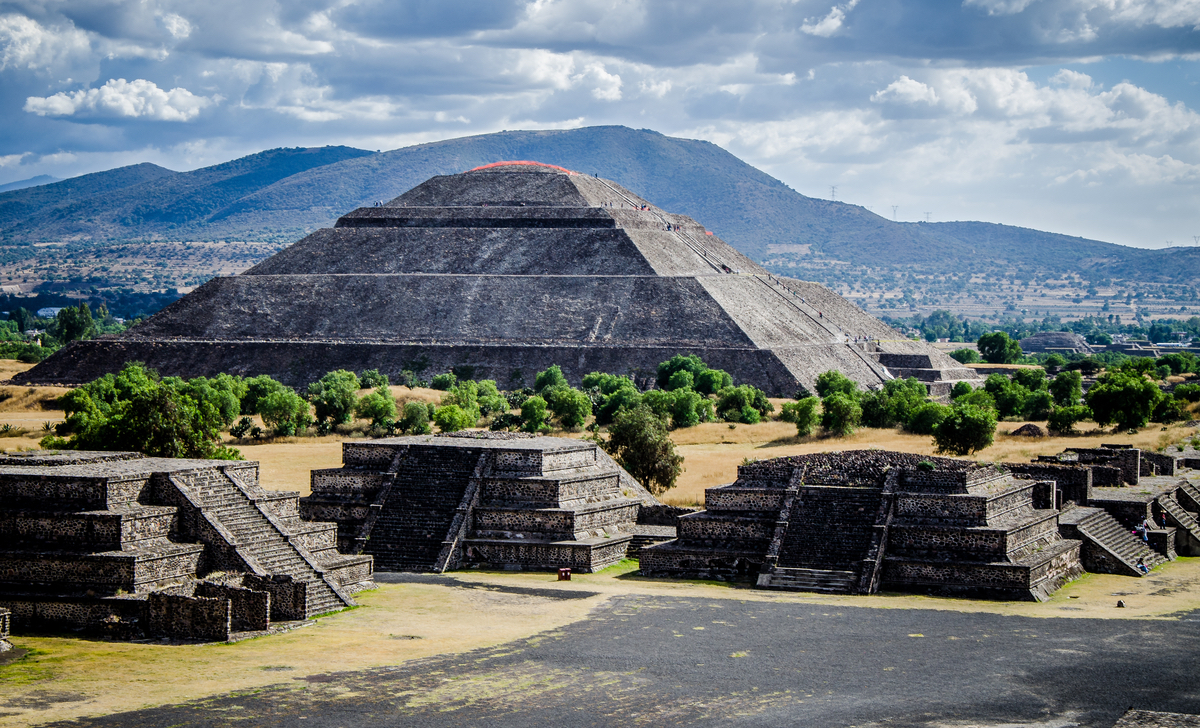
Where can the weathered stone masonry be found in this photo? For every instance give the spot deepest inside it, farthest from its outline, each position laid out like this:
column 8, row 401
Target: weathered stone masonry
column 126, row 546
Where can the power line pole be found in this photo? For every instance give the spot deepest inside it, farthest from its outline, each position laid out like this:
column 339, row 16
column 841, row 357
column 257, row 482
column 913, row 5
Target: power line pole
column 833, row 192
column 1196, row 238
column 894, row 208
column 927, row 216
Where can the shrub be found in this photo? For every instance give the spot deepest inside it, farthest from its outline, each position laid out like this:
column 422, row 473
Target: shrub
column 378, row 406
column 1179, row 362
column 711, row 381
column 606, row 383
column 1064, row 419
column 135, row 410
column 415, row 419
column 334, row 395
column 1187, row 392
column 285, row 412
column 507, row 421
column 1054, row 362
column 892, row 404
column 241, row 428
column 548, row 379
column 372, row 379
column 965, row 356
column 639, row 442
column 925, row 418
column 572, row 407
column 257, row 388
column 743, row 403
column 443, row 381
column 840, row 414
column 687, row 409
column 997, row 348
column 690, row 363
column 1167, row 411
column 1123, row 399
column 1067, row 389
column 1038, row 405
column 805, row 413
column 681, row 379
column 1009, row 396
column 660, row 402
column 960, row 389
column 625, row 398
column 1031, row 379
column 533, row 415
column 221, row 392
column 834, row 381
column 452, row 418
column 464, row 394
column 966, row 429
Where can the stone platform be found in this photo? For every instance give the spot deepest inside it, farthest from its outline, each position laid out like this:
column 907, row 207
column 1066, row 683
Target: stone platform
column 123, row 545
column 497, row 500
column 861, row 521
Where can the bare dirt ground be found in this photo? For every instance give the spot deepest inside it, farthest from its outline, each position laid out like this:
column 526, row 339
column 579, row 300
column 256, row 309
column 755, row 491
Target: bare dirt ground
column 63, row 678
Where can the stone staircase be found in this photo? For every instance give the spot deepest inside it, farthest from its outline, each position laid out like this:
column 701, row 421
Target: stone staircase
column 825, row 581
column 829, row 528
column 414, row 522
column 266, row 548
column 1100, row 530
column 1181, row 517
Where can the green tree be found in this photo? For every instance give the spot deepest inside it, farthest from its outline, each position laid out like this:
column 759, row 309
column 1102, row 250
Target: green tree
column 257, row 389
column 1063, row 419
column 892, row 404
column 690, row 363
column 711, row 381
column 1167, row 411
column 465, row 394
column 625, row 397
column 135, row 410
column 1187, row 392
column 660, row 402
column 960, row 388
column 23, row 319
column 548, row 379
column 965, row 356
column 1031, row 379
column 533, row 415
column 926, row 417
column 1009, row 396
column 1038, row 405
column 74, row 323
column 452, row 418
column 682, row 379
column 285, row 412
column 834, row 381
column 966, row 429
column 415, row 419
column 221, row 391
column 806, row 416
column 372, row 379
column 571, row 406
column 443, row 381
column 1067, row 389
column 1054, row 362
column 378, row 406
column 1123, row 399
column 998, row 348
column 638, row 441
column 334, row 396
column 743, row 403
column 490, row 399
column 687, row 407
column 840, row 414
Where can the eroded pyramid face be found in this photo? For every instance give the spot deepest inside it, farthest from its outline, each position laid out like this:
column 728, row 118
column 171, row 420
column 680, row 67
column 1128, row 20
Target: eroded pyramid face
column 505, row 269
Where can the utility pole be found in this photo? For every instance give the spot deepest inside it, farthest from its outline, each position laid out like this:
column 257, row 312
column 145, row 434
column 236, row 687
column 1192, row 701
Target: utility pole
column 1196, row 238
column 833, row 192
column 927, row 216
column 894, row 208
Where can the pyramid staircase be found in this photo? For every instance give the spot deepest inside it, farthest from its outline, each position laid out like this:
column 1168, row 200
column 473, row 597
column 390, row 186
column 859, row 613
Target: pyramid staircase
column 1109, row 547
column 1180, row 517
column 421, row 504
column 260, row 540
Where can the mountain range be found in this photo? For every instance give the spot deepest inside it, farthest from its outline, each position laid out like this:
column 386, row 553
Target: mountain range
column 281, row 194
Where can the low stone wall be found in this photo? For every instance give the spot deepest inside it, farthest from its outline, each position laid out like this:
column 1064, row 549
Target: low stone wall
column 250, row 610
column 663, row 515
column 188, row 618
column 1073, row 481
column 1155, row 464
column 742, row 498
column 289, row 598
column 584, row 558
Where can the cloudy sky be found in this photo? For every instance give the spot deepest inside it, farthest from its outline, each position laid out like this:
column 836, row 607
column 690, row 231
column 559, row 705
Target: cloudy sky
column 1076, row 116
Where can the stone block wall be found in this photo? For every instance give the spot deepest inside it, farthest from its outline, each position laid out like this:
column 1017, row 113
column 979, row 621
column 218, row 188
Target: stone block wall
column 188, row 618
column 1073, row 481
column 250, row 609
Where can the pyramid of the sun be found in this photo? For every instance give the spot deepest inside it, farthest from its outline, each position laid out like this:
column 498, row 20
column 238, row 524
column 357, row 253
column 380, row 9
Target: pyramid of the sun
column 507, row 269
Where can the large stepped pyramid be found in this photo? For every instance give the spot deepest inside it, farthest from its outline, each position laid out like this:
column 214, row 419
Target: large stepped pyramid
column 507, row 269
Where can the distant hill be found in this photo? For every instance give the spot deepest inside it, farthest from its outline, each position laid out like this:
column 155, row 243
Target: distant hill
column 41, row 179
column 282, row 194
column 145, row 201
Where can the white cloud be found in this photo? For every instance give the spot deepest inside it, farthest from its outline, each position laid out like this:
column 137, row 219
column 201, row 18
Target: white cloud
column 831, row 23
column 999, row 7
column 177, row 25
column 11, row 160
column 118, row 98
column 906, row 91
column 25, row 43
column 607, row 85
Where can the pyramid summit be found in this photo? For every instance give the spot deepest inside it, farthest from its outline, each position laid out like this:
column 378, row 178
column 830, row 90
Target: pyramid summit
column 502, row 271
